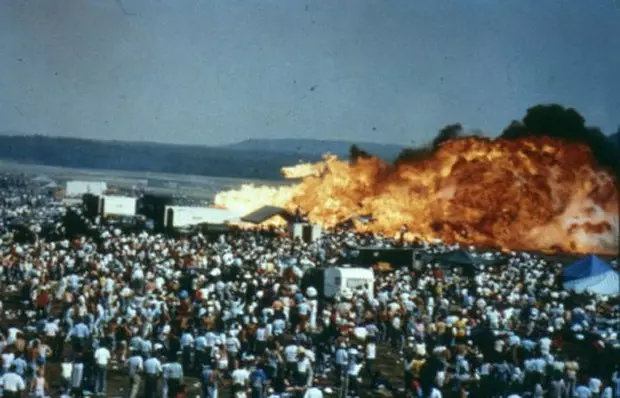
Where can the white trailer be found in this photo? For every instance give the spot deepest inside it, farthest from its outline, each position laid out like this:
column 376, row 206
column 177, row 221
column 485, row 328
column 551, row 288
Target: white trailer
column 331, row 282
column 118, row 206
column 185, row 216
column 79, row 188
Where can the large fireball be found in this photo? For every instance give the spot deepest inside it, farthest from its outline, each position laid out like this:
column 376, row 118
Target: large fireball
column 534, row 193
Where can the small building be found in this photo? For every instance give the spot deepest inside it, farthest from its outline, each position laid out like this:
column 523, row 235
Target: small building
column 268, row 216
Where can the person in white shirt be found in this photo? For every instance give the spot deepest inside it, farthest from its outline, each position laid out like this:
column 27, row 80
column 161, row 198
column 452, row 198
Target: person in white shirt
column 371, row 355
column 12, row 384
column 66, row 370
column 240, row 379
column 595, row 385
column 303, row 368
column 290, row 356
column 313, row 392
column 435, row 393
column 102, row 358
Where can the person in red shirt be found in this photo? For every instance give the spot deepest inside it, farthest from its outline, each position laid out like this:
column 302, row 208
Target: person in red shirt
column 181, row 392
column 42, row 303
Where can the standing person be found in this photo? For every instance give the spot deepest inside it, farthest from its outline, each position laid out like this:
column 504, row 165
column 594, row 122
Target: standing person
column 340, row 363
column 152, row 371
column 210, row 382
column 258, row 380
column 371, row 355
column 66, row 370
column 102, row 358
column 302, row 374
column 173, row 376
column 12, row 384
column 187, row 346
column 135, row 366
column 240, row 378
column 291, row 355
column 77, row 376
column 557, row 387
column 38, row 386
column 353, row 374
column 313, row 392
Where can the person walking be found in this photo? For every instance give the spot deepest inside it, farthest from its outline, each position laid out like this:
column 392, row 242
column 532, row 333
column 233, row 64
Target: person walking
column 135, row 366
column 102, row 358
column 152, row 372
column 38, row 386
column 173, row 376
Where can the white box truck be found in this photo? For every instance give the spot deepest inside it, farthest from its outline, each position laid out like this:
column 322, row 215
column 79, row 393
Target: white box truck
column 118, row 206
column 334, row 281
column 185, row 216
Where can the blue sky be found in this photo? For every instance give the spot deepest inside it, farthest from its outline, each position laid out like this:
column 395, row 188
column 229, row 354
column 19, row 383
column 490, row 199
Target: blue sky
column 213, row 72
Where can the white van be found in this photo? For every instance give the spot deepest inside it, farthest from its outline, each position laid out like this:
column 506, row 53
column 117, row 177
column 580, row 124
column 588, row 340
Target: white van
column 330, row 282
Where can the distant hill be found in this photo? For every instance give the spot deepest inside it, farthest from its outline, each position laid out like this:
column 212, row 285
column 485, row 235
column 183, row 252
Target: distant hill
column 315, row 147
column 255, row 159
column 148, row 157
column 615, row 139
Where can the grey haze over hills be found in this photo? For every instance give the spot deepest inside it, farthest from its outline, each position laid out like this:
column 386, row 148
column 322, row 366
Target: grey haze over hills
column 251, row 159
column 315, row 147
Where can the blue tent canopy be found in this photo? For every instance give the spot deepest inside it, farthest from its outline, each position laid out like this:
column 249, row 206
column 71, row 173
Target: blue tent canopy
column 588, row 266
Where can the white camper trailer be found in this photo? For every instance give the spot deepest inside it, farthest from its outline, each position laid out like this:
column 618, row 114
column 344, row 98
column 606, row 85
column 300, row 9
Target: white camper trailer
column 118, row 206
column 331, row 282
column 185, row 216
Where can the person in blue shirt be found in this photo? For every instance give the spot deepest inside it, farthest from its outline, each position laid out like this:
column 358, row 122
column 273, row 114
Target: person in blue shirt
column 210, row 382
column 20, row 364
column 78, row 335
column 258, row 381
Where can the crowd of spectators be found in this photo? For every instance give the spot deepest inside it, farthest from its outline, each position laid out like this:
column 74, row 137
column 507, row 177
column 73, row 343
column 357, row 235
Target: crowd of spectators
column 147, row 315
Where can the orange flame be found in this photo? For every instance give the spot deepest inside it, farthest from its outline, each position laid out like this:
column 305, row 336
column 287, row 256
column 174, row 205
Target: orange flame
column 304, row 170
column 530, row 194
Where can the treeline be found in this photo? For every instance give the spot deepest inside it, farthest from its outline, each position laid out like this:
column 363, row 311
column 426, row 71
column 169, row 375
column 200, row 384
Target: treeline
column 550, row 120
column 159, row 158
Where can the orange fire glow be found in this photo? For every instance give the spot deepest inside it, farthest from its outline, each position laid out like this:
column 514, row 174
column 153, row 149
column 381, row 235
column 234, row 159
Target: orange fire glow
column 529, row 194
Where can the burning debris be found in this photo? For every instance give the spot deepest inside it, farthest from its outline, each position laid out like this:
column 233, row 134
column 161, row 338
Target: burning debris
column 535, row 193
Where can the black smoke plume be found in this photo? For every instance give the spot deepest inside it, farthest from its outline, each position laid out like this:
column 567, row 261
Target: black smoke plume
column 550, row 120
